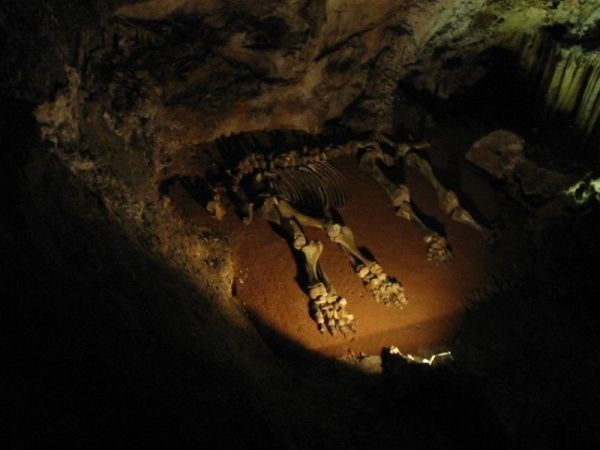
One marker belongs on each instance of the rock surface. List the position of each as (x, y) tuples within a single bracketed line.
[(501, 154), (498, 153)]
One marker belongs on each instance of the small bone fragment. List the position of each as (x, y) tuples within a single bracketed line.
[(248, 213), (215, 208)]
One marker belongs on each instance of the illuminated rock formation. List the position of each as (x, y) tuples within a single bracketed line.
[(567, 77)]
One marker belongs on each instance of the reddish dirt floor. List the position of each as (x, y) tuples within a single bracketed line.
[(266, 270)]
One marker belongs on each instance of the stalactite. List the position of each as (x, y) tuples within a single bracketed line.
[(567, 79)]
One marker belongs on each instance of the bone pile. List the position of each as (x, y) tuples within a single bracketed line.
[(383, 288), (329, 311)]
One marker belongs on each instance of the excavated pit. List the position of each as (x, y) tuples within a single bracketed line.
[(268, 276)]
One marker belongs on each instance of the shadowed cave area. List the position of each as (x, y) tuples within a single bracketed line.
[(166, 167)]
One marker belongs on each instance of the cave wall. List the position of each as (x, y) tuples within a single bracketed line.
[(566, 72)]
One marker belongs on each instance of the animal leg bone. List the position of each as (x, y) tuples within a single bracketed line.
[(447, 199), (399, 194), (383, 287), (327, 308)]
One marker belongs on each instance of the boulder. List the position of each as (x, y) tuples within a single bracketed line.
[(498, 153)]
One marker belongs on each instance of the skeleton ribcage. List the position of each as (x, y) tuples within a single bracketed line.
[(314, 187)]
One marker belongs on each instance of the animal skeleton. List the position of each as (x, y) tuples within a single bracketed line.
[(300, 188)]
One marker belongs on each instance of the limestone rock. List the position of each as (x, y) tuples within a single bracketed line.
[(498, 153), (501, 155), (539, 184)]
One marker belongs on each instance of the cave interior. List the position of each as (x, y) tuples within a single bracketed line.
[(300, 224)]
